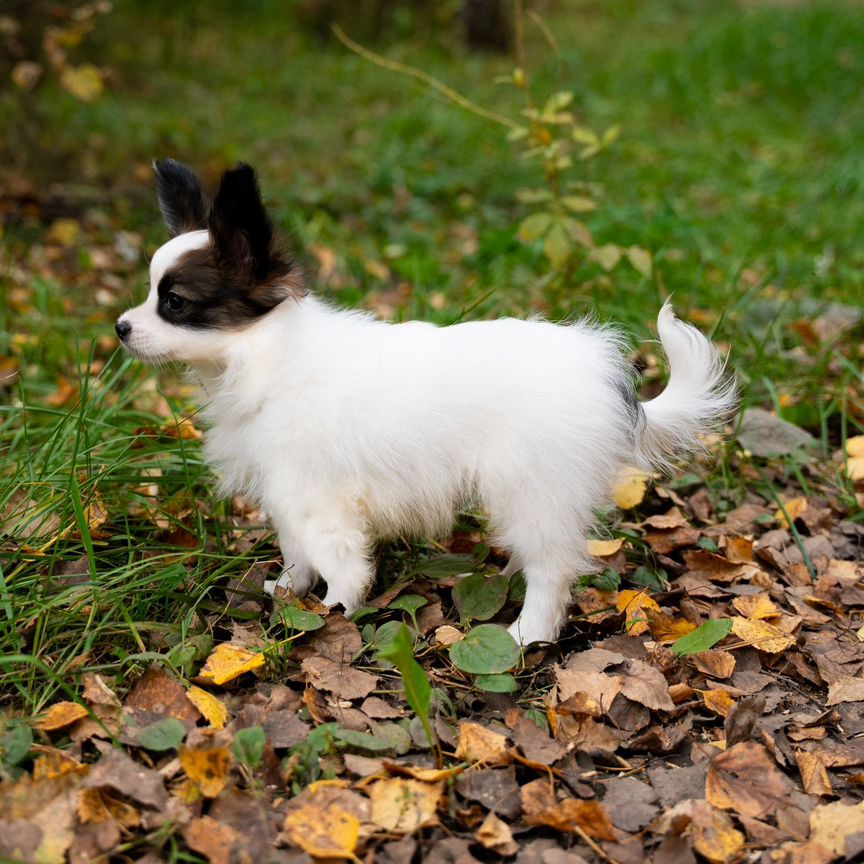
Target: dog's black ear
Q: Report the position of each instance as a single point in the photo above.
(240, 228)
(183, 205)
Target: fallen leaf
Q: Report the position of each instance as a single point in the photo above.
(714, 662)
(323, 832)
(228, 662)
(447, 635)
(664, 628)
(630, 488)
(60, 715)
(635, 605)
(495, 834)
(480, 745)
(572, 814)
(814, 775)
(214, 840)
(160, 693)
(756, 606)
(211, 707)
(96, 805)
(404, 806)
(672, 518)
(718, 701)
(761, 635)
(603, 548)
(831, 824)
(117, 771)
(343, 681)
(712, 832)
(846, 688)
(207, 768)
(795, 507)
(746, 779)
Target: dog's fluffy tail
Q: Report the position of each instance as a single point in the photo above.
(699, 397)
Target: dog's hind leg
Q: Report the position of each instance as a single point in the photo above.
(547, 595)
(297, 575)
(513, 566)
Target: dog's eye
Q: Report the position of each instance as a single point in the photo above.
(174, 302)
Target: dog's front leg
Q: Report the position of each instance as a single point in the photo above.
(336, 546)
(297, 575)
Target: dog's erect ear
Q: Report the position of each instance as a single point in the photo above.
(183, 205)
(240, 228)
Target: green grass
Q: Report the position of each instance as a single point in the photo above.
(738, 166)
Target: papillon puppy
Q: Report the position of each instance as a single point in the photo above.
(345, 428)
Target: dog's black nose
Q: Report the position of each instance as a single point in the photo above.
(123, 328)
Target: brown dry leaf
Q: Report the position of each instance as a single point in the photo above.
(340, 679)
(228, 662)
(96, 805)
(739, 549)
(831, 824)
(746, 779)
(570, 814)
(814, 775)
(846, 688)
(604, 548)
(761, 635)
(403, 806)
(158, 692)
(794, 508)
(207, 768)
(756, 606)
(211, 707)
(60, 715)
(480, 745)
(712, 832)
(664, 628)
(635, 605)
(427, 775)
(495, 834)
(214, 840)
(718, 701)
(715, 662)
(630, 488)
(323, 832)
(714, 567)
(672, 518)
(447, 635)
(115, 770)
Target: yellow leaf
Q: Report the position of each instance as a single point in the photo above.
(855, 446)
(495, 834)
(328, 832)
(635, 605)
(207, 768)
(403, 806)
(84, 82)
(602, 548)
(479, 744)
(228, 662)
(212, 707)
(718, 701)
(665, 628)
(761, 635)
(630, 488)
(607, 256)
(794, 508)
(641, 260)
(756, 606)
(96, 805)
(60, 715)
(855, 468)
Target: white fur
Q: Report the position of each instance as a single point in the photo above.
(346, 428)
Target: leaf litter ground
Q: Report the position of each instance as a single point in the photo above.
(705, 701)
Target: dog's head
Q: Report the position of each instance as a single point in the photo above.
(223, 269)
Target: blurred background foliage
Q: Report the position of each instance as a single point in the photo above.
(737, 169)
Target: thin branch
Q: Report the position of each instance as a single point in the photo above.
(412, 72)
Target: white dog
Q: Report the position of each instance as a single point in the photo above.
(346, 428)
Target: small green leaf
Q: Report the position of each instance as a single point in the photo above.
(641, 260)
(248, 746)
(166, 734)
(583, 135)
(648, 578)
(485, 650)
(397, 646)
(534, 227)
(557, 246)
(703, 638)
(361, 741)
(409, 603)
(15, 744)
(608, 580)
(479, 597)
(298, 620)
(445, 565)
(610, 135)
(501, 683)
